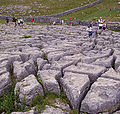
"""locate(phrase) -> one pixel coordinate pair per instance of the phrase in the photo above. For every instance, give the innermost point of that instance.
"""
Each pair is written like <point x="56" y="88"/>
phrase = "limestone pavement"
<point x="62" y="56"/>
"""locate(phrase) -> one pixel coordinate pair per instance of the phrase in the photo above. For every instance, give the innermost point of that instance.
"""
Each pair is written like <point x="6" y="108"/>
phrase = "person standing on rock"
<point x="7" y="20"/>
<point x="15" y="21"/>
<point x="100" y="24"/>
<point x="104" y="25"/>
<point x="90" y="31"/>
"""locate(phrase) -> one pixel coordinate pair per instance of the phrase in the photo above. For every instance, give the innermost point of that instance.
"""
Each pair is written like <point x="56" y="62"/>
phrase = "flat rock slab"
<point x="28" y="112"/>
<point x="55" y="56"/>
<point x="5" y="83"/>
<point x="93" y="71"/>
<point x="52" y="110"/>
<point x="48" y="78"/>
<point x="28" y="88"/>
<point x="60" y="65"/>
<point x="111" y="74"/>
<point x="106" y="62"/>
<point x="75" y="86"/>
<point x="103" y="96"/>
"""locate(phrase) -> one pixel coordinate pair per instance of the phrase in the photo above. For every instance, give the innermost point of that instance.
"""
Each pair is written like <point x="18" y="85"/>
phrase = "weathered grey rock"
<point x="22" y="70"/>
<point x="35" y="54"/>
<point x="13" y="58"/>
<point x="111" y="74"/>
<point x="28" y="112"/>
<point x="60" y="65"/>
<point x="52" y="110"/>
<point x="24" y="57"/>
<point x="46" y="67"/>
<point x="93" y="71"/>
<point x="28" y="88"/>
<point x="55" y="56"/>
<point x="106" y="62"/>
<point x="19" y="71"/>
<point x="117" y="61"/>
<point x="75" y="86"/>
<point x="62" y="105"/>
<point x="104" y="95"/>
<point x="5" y="83"/>
<point x="3" y="70"/>
<point x="41" y="62"/>
<point x="4" y="64"/>
<point x="48" y="78"/>
<point x="74" y="57"/>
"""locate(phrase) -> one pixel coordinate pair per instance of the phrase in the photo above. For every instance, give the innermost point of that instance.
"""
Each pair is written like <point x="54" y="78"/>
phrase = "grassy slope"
<point x="56" y="6"/>
<point x="47" y="6"/>
<point x="102" y="9"/>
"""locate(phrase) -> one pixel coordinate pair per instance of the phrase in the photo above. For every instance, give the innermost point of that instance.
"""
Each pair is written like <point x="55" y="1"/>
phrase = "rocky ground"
<point x="62" y="57"/>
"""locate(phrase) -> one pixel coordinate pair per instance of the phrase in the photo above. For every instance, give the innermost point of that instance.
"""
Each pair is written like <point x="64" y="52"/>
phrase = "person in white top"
<point x="100" y="23"/>
<point x="90" y="31"/>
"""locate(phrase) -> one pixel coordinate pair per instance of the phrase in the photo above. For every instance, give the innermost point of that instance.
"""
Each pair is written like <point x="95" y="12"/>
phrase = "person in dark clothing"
<point x="7" y="20"/>
<point x="15" y="21"/>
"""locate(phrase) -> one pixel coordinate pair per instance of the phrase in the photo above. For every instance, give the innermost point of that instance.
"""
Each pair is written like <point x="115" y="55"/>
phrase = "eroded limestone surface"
<point x="64" y="58"/>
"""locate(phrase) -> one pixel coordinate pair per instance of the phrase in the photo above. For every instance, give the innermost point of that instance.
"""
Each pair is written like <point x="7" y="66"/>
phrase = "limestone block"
<point x="41" y="63"/>
<point x="48" y="78"/>
<point x="35" y="54"/>
<point x="28" y="112"/>
<point x="28" y="88"/>
<point x="13" y="58"/>
<point x="104" y="95"/>
<point x="75" y="86"/>
<point x="55" y="56"/>
<point x="22" y="70"/>
<point x="46" y="67"/>
<point x="106" y="62"/>
<point x="3" y="70"/>
<point x="117" y="61"/>
<point x="111" y="74"/>
<point x="93" y="71"/>
<point x="60" y="65"/>
<point x="5" y="83"/>
<point x="52" y="110"/>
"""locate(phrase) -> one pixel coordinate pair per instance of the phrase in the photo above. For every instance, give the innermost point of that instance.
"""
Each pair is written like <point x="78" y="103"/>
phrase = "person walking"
<point x="7" y="20"/>
<point x="100" y="24"/>
<point x="104" y="25"/>
<point x="15" y="21"/>
<point x="90" y="31"/>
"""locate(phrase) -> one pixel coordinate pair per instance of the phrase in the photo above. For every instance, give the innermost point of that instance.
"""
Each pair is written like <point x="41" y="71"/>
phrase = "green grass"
<point x="27" y="36"/>
<point x="94" y="12"/>
<point x="56" y="6"/>
<point x="46" y="7"/>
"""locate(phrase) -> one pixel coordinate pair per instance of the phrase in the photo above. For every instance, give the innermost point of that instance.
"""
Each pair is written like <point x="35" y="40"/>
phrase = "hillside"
<point x="48" y="7"/>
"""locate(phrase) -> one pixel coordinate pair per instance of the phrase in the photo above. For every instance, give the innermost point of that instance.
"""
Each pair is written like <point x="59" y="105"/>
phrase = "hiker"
<point x="54" y="23"/>
<point x="18" y="21"/>
<point x="7" y="20"/>
<point x="21" y="21"/>
<point x="104" y="25"/>
<point x="90" y="31"/>
<point x="32" y="20"/>
<point x="15" y="21"/>
<point x="100" y="24"/>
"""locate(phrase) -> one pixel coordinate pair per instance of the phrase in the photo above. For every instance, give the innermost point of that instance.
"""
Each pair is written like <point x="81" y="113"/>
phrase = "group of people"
<point x="101" y="27"/>
<point x="16" y="21"/>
